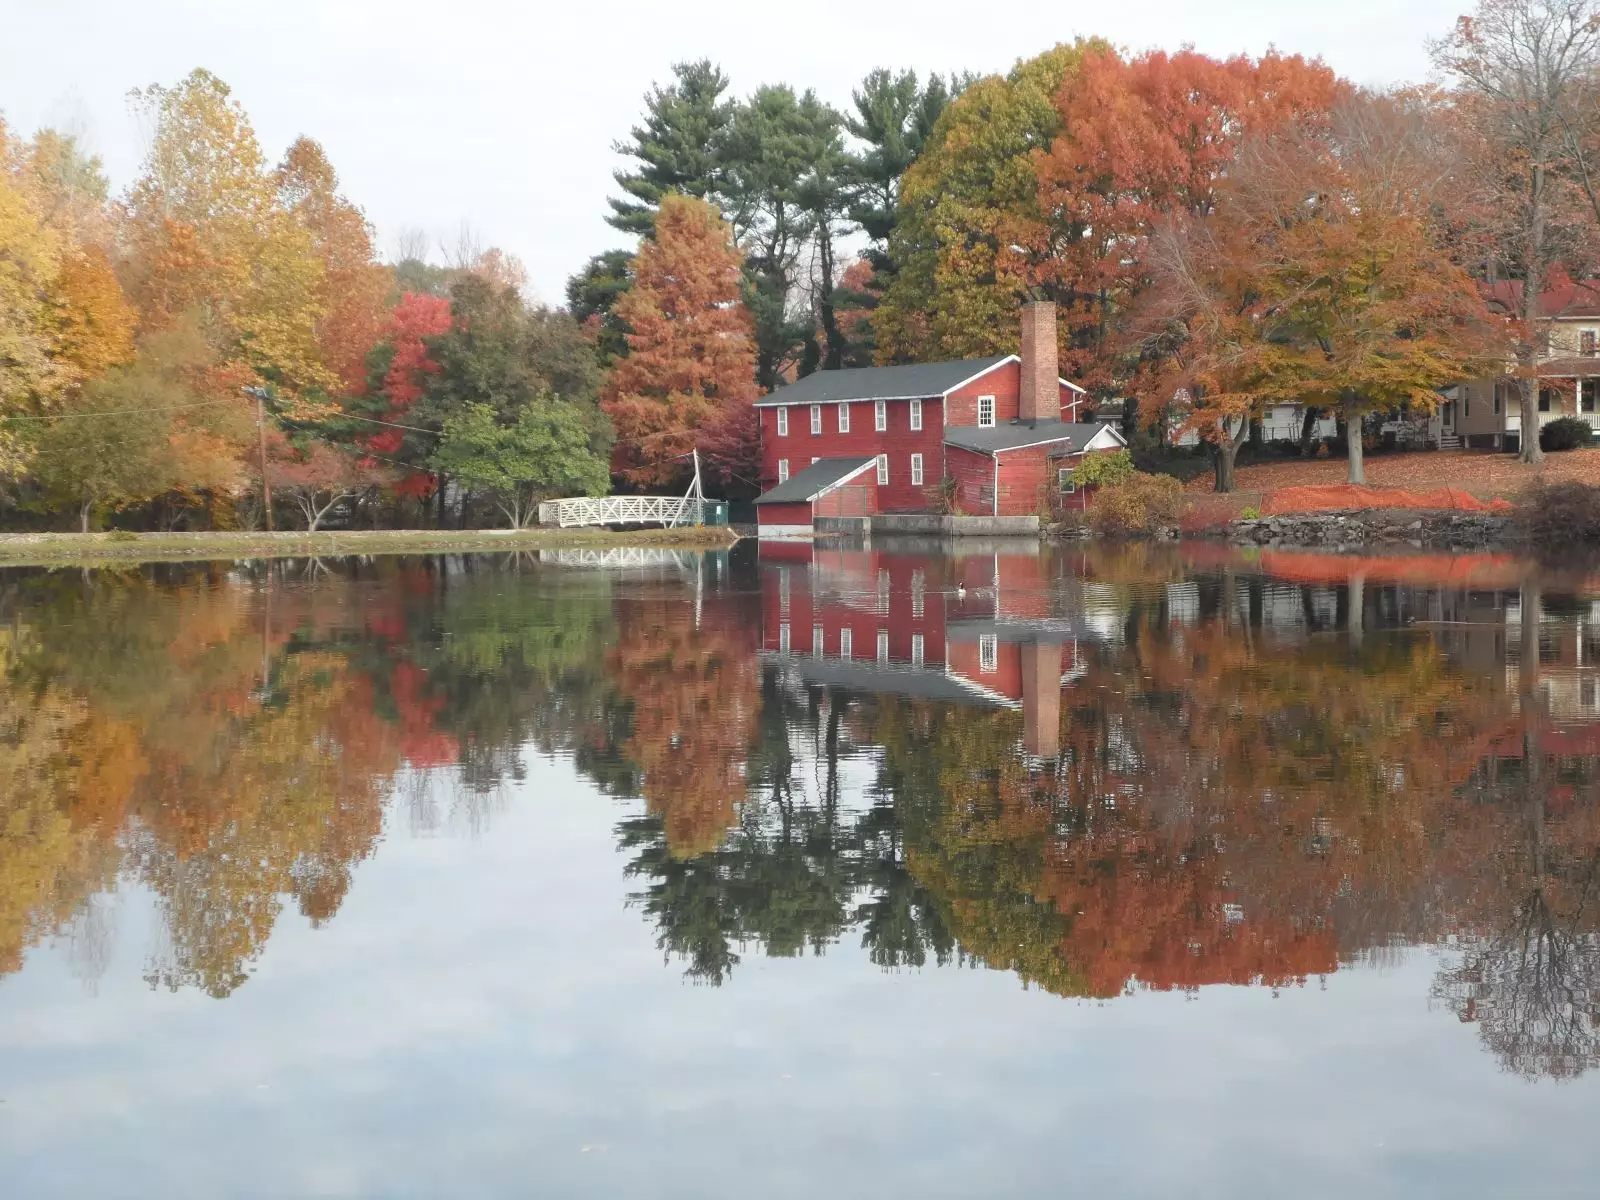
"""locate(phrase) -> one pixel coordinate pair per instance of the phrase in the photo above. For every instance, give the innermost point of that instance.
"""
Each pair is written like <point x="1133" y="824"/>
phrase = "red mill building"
<point x="883" y="440"/>
<point x="976" y="628"/>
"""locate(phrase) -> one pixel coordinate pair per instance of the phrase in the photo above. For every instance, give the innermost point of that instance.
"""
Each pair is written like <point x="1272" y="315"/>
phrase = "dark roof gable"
<point x="913" y="381"/>
<point x="1013" y="436"/>
<point x="819" y="477"/>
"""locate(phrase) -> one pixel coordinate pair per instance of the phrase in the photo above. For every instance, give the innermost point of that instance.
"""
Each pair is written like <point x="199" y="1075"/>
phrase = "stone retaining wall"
<point x="1433" y="529"/>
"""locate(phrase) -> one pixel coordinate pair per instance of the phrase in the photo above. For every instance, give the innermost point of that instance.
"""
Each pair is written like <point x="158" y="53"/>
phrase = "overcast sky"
<point x="502" y="113"/>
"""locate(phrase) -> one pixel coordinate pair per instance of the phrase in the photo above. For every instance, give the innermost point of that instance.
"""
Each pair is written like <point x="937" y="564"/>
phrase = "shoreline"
<point x="58" y="549"/>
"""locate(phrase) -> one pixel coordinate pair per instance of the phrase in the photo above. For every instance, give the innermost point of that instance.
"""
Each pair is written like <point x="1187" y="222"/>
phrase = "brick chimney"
<point x="1041" y="373"/>
<point x="1041" y="698"/>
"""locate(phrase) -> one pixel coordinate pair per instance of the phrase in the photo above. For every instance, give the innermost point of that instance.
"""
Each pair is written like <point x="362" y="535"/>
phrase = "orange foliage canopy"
<point x="1143" y="137"/>
<point x="691" y="359"/>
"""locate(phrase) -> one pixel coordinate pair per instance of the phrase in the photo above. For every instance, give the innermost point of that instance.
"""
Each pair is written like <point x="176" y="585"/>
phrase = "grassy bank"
<point x="43" y="549"/>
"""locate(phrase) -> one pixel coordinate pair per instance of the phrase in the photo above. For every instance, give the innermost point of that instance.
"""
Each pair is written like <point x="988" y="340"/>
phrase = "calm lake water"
<point x="795" y="872"/>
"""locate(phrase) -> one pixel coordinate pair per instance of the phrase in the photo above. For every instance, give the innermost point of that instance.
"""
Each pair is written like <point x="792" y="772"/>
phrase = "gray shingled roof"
<point x="814" y="480"/>
<point x="987" y="440"/>
<point x="920" y="683"/>
<point x="915" y="381"/>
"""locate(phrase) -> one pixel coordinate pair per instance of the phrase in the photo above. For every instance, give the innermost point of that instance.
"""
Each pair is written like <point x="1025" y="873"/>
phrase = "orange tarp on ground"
<point x="1333" y="497"/>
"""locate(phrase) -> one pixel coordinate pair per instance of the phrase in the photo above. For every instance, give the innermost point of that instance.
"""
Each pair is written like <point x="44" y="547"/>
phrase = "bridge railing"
<point x="624" y="510"/>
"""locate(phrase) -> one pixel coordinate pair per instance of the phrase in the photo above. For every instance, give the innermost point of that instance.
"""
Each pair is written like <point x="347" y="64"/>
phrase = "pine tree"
<point x="691" y="353"/>
<point x="678" y="146"/>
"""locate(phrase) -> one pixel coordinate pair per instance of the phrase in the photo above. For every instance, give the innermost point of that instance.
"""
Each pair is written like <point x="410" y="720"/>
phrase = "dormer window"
<point x="986" y="412"/>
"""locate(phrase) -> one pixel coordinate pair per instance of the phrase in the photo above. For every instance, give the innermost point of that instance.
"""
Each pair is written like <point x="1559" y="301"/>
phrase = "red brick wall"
<point x="899" y="442"/>
<point x="783" y="514"/>
<point x="974" y="476"/>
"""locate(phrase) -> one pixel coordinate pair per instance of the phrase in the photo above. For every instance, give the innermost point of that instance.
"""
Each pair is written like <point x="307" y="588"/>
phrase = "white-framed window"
<point x="783" y="591"/>
<point x="916" y="470"/>
<point x="783" y="470"/>
<point x="883" y="645"/>
<point x="816" y="419"/>
<point x="844" y="416"/>
<point x="883" y="469"/>
<point x="783" y="421"/>
<point x="783" y="638"/>
<point x="919" y="589"/>
<point x="916" y="650"/>
<point x="986" y="412"/>
<point x="815" y="460"/>
<point x="880" y="415"/>
<point x="916" y="414"/>
<point x="844" y="642"/>
<point x="882" y="606"/>
<point x="1064" y="481"/>
<point x="816" y="641"/>
<point x="988" y="653"/>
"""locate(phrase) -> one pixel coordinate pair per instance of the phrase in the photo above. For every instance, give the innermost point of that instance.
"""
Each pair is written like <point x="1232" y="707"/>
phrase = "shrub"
<point x="1105" y="469"/>
<point x="1139" y="504"/>
<point x="1565" y="433"/>
<point x="122" y="535"/>
<point x="1250" y="513"/>
<point x="1561" y="516"/>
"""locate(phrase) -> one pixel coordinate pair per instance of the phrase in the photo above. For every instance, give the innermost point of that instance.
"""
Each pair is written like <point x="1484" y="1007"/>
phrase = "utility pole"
<point x="261" y="434"/>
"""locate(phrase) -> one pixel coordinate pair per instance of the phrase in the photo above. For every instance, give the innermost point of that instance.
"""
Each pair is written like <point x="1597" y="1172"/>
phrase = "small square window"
<point x="916" y="415"/>
<point x="783" y="470"/>
<point x="844" y="417"/>
<point x="816" y="419"/>
<point x="783" y="422"/>
<point x="880" y="415"/>
<point x="916" y="470"/>
<point x="988" y="653"/>
<point x="986" y="412"/>
<point x="883" y="469"/>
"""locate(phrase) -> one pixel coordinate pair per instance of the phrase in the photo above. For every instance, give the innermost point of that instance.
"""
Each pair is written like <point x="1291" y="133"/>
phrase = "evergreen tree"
<point x="781" y="184"/>
<point x="678" y="146"/>
<point x="592" y="295"/>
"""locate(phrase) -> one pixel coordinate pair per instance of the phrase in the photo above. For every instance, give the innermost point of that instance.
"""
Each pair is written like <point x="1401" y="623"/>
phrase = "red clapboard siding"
<point x="858" y="498"/>
<point x="783" y="514"/>
<point x="1024" y="477"/>
<point x="974" y="476"/>
<point x="899" y="441"/>
<point x="1004" y="383"/>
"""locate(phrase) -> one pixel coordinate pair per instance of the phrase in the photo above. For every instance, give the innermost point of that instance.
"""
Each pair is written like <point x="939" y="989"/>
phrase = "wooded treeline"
<point x="1219" y="236"/>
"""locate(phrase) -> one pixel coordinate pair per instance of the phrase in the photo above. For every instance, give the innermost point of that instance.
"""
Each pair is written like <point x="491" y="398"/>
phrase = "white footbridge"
<point x="626" y="510"/>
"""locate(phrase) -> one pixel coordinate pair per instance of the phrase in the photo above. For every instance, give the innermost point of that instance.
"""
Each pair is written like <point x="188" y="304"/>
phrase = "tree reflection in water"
<point x="1103" y="772"/>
